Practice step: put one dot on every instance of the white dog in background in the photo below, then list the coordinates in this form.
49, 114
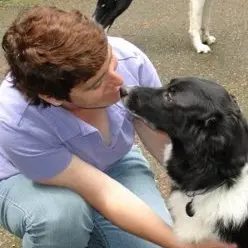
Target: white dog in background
199, 16
108, 10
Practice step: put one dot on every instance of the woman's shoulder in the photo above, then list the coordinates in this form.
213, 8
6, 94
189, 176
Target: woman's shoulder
123, 48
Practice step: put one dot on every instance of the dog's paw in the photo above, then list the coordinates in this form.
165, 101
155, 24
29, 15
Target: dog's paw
201, 48
208, 39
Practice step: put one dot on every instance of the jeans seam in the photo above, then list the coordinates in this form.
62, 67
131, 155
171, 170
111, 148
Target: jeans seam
101, 232
16, 206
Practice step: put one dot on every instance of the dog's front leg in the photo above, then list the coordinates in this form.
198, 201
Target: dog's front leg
206, 37
195, 25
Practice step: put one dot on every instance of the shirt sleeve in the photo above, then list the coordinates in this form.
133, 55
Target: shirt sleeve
147, 73
136, 67
34, 158
148, 76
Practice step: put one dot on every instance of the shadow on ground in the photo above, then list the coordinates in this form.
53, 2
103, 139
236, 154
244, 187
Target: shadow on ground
159, 28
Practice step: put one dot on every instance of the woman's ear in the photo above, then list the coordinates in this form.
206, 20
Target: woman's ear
51, 100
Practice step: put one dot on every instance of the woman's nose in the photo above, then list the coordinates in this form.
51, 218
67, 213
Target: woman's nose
117, 79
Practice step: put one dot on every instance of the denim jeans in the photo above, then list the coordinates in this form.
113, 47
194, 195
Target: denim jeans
44, 216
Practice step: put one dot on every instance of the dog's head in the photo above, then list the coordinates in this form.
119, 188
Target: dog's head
208, 132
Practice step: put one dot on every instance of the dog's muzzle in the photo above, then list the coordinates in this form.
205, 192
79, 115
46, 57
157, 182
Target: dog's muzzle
125, 91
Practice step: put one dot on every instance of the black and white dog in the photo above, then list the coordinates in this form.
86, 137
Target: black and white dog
207, 159
107, 11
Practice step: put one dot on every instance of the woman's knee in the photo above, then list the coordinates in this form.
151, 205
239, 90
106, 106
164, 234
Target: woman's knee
43, 215
66, 221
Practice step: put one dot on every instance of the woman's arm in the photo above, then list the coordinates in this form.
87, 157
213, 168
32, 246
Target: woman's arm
115, 202
154, 140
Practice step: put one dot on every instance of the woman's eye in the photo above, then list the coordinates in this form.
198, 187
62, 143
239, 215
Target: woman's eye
96, 85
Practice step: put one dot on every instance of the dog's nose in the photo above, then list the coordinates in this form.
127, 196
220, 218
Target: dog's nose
123, 91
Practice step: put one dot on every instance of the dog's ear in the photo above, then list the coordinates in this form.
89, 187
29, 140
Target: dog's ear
236, 107
212, 138
211, 121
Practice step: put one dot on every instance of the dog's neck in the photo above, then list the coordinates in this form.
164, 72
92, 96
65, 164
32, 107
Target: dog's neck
201, 167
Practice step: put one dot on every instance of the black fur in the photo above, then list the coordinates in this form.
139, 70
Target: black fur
108, 10
209, 136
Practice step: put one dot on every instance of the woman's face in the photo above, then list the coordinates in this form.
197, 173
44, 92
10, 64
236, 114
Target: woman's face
99, 91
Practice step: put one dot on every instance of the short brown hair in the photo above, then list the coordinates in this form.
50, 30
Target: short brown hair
50, 50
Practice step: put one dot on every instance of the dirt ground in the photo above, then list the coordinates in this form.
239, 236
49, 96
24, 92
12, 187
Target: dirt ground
159, 28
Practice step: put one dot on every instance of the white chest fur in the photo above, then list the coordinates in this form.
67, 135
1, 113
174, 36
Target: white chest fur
229, 205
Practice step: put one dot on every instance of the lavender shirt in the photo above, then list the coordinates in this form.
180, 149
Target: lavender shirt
39, 142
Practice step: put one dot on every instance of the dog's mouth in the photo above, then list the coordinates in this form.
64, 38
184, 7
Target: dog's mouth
123, 92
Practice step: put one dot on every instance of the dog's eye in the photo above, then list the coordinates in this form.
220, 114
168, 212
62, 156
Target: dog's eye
172, 90
168, 96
